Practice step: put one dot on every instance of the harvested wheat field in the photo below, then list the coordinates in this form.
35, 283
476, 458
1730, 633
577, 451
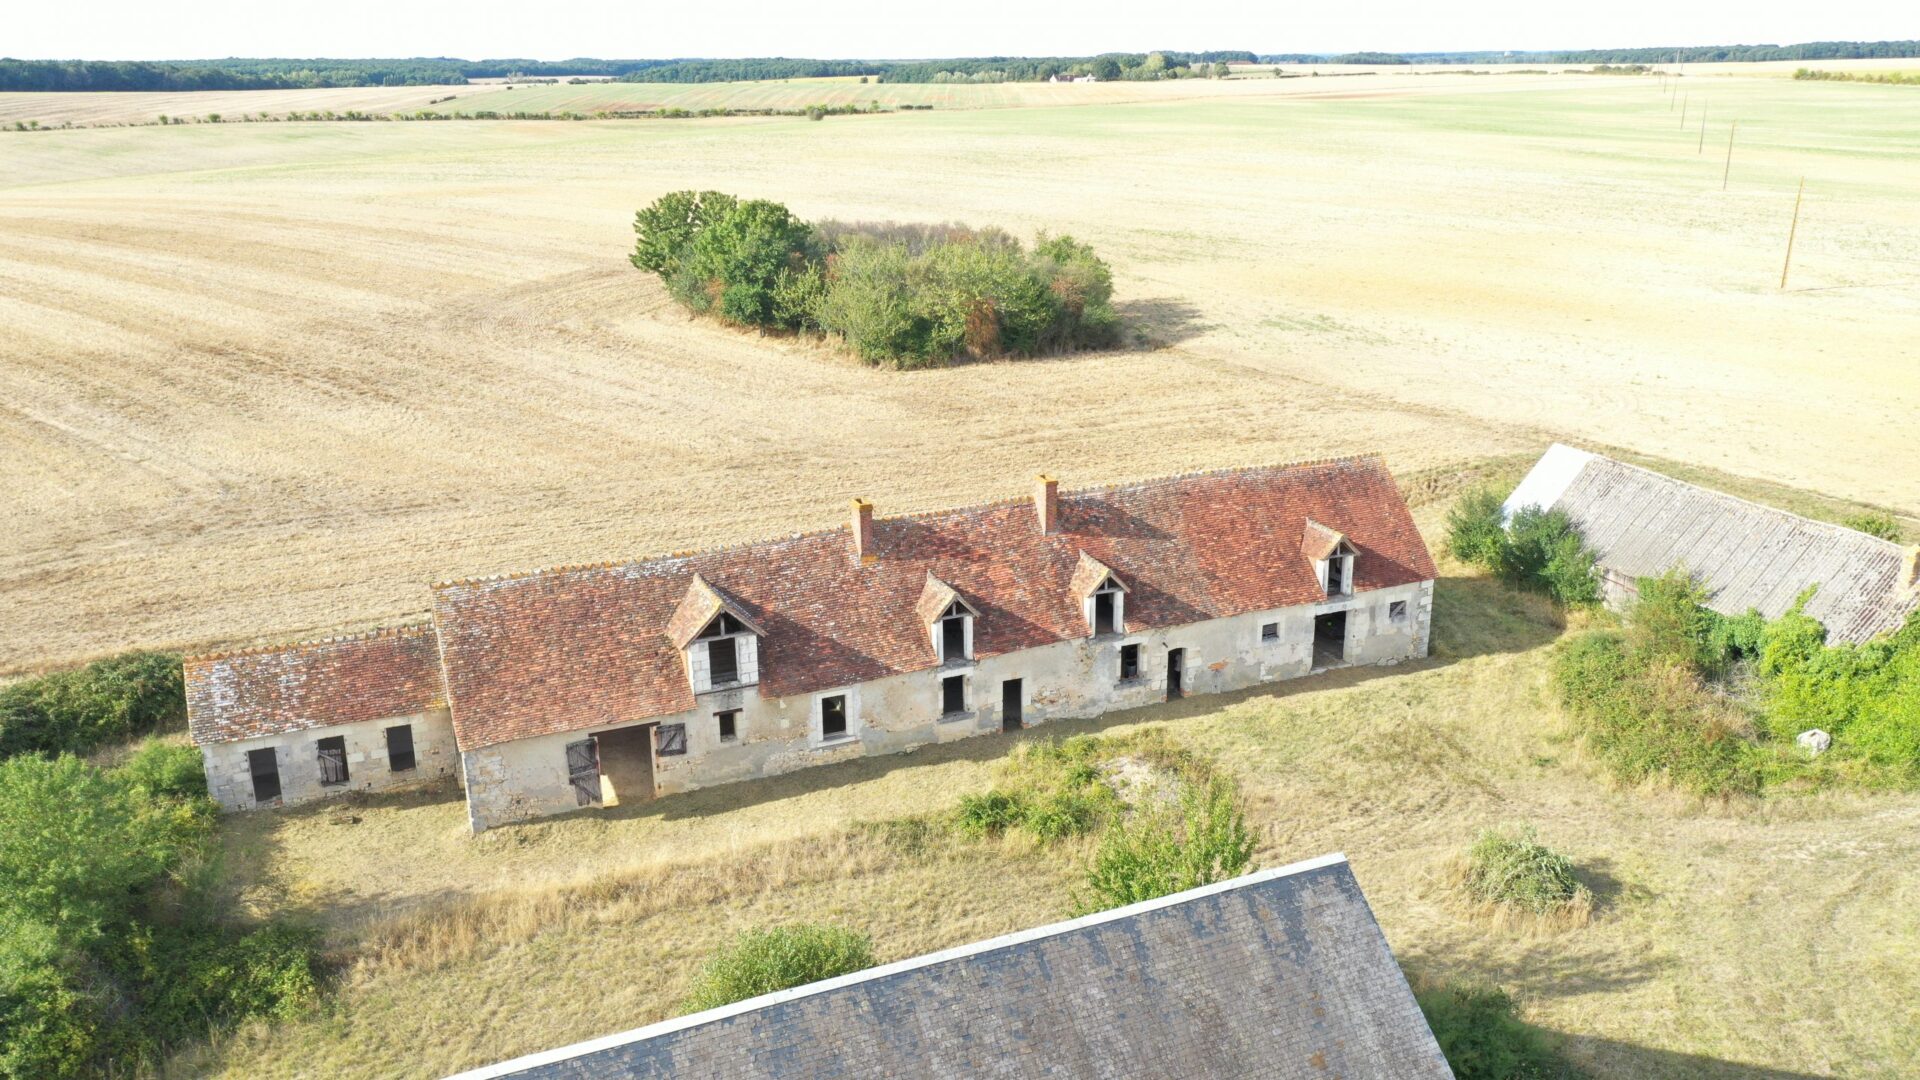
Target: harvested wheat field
1751, 938
268, 380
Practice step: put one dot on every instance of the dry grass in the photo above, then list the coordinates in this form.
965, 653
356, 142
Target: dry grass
1721, 940
269, 380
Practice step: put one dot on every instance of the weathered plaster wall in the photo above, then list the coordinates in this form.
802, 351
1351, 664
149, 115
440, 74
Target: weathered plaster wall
1073, 679
230, 780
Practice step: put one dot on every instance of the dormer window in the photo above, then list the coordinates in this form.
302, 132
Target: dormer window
1333, 557
720, 643
949, 620
1103, 596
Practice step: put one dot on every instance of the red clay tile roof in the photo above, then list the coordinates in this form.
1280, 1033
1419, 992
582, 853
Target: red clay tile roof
575, 648
272, 691
936, 597
1320, 542
1089, 574
698, 607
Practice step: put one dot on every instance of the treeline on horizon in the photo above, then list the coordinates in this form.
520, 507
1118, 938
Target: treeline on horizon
269, 73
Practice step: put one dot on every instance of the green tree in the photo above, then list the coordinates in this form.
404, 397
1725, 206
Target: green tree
1221, 71
742, 257
1106, 69
667, 228
1476, 528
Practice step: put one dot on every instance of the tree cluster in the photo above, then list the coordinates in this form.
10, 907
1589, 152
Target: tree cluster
898, 295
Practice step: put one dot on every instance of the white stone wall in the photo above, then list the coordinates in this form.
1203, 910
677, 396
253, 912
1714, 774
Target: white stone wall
1066, 680
230, 779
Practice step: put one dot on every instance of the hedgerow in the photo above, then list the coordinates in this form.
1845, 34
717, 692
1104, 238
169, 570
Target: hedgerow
78, 711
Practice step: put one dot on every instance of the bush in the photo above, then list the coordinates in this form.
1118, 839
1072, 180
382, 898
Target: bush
200, 978
1477, 529
74, 712
666, 229
1482, 1038
161, 770
776, 958
1875, 523
48, 1024
1516, 869
989, 814
1161, 851
1535, 549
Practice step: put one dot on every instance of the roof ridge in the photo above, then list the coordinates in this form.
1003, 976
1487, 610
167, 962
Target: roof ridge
917, 515
413, 629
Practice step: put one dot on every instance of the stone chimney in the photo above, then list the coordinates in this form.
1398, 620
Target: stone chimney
1910, 569
1046, 503
863, 532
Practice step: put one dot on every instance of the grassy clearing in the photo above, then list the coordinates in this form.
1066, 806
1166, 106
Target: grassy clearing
1724, 938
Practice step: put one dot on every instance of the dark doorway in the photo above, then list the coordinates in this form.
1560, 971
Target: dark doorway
953, 639
1176, 673
723, 661
626, 764
1330, 639
1010, 719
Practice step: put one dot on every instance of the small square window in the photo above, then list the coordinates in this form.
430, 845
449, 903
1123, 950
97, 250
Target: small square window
833, 716
1270, 631
670, 740
1397, 611
953, 695
729, 724
1129, 662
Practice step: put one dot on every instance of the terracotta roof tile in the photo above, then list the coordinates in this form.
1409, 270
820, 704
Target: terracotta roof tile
1089, 574
1319, 542
271, 691
701, 603
574, 648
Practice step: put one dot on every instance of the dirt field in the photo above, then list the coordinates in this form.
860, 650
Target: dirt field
1764, 939
269, 380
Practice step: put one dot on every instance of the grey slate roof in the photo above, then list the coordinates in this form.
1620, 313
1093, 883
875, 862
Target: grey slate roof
1282, 973
1641, 524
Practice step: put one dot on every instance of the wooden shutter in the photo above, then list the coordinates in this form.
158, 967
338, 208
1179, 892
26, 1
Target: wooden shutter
333, 760
583, 771
670, 739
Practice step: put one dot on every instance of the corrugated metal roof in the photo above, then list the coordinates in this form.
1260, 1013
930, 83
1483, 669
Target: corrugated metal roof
1282, 973
1642, 524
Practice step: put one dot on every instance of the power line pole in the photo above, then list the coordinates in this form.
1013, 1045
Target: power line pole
1702, 148
1683, 111
1724, 173
1791, 230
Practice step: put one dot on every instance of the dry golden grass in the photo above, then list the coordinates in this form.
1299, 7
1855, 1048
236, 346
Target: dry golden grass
1757, 938
268, 380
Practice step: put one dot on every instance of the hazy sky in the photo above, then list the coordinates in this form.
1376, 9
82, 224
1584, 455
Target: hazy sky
191, 29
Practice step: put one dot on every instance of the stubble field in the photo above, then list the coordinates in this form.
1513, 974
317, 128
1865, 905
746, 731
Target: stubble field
269, 380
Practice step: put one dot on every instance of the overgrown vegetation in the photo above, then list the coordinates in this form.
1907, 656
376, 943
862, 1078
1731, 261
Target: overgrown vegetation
1537, 549
774, 958
111, 945
1715, 703
1876, 522
1482, 1037
77, 711
1511, 867
903, 296
1162, 848
1890, 78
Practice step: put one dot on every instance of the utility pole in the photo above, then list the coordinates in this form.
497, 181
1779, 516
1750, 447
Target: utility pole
1791, 230
1702, 147
1724, 173
1683, 111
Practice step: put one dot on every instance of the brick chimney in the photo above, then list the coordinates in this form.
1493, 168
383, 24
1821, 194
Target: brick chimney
1046, 502
863, 532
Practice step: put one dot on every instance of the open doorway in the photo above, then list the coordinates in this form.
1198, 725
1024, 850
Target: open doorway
626, 764
1010, 715
1176, 673
1330, 639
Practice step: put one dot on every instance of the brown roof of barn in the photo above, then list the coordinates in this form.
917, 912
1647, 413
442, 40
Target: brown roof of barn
274, 690
573, 648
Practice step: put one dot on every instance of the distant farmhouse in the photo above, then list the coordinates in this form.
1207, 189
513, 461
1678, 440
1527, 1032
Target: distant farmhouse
1642, 524
614, 683
1280, 974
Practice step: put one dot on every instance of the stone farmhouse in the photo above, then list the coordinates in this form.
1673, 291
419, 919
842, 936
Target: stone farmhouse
1641, 524
1279, 974
614, 683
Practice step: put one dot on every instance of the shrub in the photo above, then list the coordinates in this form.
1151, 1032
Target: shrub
1875, 523
48, 1026
1482, 1038
776, 958
1543, 550
1669, 623
1161, 851
989, 814
666, 229
201, 978
744, 253
1516, 869
161, 770
1476, 528
76, 711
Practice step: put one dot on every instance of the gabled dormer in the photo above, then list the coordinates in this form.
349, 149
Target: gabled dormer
948, 618
716, 638
1332, 555
1102, 596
